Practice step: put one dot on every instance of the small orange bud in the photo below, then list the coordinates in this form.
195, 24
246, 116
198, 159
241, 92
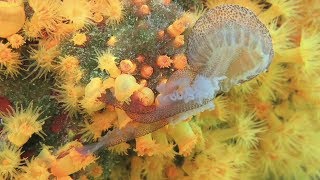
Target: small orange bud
161, 35
166, 2
164, 61
146, 71
126, 66
144, 10
180, 61
141, 58
178, 41
112, 41
176, 29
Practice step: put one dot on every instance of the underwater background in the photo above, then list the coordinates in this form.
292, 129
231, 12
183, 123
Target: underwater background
58, 60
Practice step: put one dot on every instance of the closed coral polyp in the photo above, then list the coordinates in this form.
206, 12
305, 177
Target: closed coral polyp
125, 86
12, 18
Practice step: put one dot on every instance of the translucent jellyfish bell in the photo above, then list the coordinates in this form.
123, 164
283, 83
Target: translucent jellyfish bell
230, 41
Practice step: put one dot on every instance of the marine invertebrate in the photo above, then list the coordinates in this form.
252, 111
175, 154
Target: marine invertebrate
44, 60
36, 168
9, 61
228, 45
180, 61
164, 61
12, 17
69, 96
79, 39
9, 160
125, 85
106, 61
16, 41
45, 18
68, 160
236, 37
114, 11
20, 124
264, 128
146, 71
126, 66
92, 92
78, 12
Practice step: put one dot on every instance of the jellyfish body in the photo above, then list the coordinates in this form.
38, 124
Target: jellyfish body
230, 41
227, 45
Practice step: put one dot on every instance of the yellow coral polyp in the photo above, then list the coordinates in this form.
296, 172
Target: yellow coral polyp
79, 39
9, 61
35, 169
93, 91
46, 15
9, 161
123, 118
16, 41
77, 11
254, 6
100, 123
106, 61
112, 41
284, 8
69, 69
114, 11
146, 146
125, 86
12, 17
121, 149
20, 124
69, 96
69, 160
44, 60
183, 136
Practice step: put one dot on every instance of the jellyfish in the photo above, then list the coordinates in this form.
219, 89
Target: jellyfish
227, 46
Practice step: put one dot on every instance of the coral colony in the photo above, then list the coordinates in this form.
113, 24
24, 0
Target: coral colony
159, 89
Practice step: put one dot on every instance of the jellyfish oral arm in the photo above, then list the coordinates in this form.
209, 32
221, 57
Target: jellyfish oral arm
197, 94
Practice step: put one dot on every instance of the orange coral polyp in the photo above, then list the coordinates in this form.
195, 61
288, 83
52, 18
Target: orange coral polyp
180, 61
71, 161
22, 123
164, 61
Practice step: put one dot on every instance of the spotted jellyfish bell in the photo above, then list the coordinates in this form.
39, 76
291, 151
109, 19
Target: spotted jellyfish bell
12, 17
230, 41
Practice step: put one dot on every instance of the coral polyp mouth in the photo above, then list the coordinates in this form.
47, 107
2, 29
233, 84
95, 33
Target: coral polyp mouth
230, 40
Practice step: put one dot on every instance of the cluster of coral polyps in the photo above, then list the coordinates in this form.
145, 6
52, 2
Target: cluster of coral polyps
58, 57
